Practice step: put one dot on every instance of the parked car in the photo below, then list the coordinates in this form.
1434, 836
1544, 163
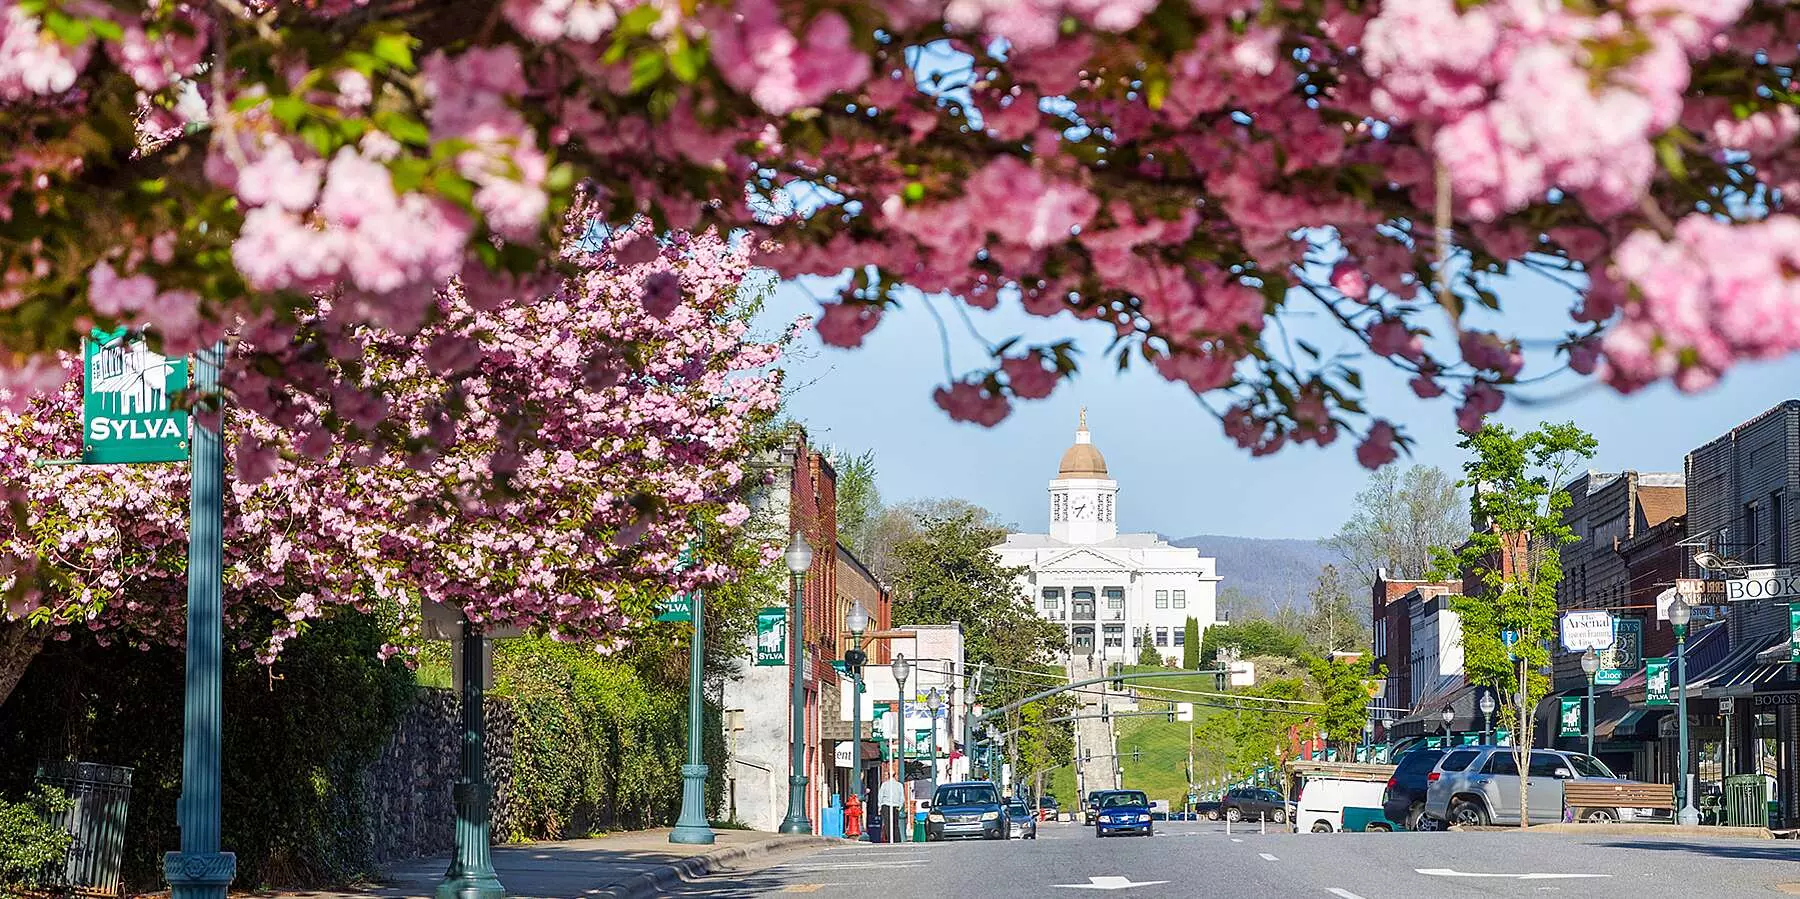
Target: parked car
1090, 809
1256, 803
1021, 821
1479, 785
1047, 809
1322, 799
967, 809
1123, 811
1208, 809
1403, 802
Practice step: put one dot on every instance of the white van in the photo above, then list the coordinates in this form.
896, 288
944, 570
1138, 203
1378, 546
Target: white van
1323, 798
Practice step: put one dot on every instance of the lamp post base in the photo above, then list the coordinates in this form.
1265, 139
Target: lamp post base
199, 875
796, 821
691, 827
475, 885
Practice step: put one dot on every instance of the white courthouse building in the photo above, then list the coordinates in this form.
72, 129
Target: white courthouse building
1111, 592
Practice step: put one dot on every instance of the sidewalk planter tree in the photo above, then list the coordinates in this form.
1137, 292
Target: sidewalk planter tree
1512, 564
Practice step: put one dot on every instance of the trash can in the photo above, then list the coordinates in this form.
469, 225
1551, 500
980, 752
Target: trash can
918, 827
101, 794
831, 819
1746, 804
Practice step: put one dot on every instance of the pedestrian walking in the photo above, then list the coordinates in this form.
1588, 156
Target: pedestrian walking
891, 797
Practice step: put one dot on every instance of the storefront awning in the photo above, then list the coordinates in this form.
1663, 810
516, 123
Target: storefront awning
1427, 717
1738, 673
1636, 724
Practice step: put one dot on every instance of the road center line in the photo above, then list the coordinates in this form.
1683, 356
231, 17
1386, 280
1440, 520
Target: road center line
1343, 893
1267, 857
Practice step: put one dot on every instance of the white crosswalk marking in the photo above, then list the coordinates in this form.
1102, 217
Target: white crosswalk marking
1267, 857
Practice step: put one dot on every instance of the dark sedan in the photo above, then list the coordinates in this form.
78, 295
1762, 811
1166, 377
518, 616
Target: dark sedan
1208, 809
1123, 811
1024, 823
966, 809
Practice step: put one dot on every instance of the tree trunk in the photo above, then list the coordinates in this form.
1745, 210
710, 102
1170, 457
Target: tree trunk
19, 644
1522, 750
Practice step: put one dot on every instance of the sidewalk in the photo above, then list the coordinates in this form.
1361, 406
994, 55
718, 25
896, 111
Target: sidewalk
1644, 829
623, 866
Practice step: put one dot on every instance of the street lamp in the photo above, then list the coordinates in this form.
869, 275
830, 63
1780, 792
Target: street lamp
856, 621
1590, 666
934, 701
1680, 613
690, 825
799, 559
902, 669
1324, 746
1449, 715
1369, 739
1488, 707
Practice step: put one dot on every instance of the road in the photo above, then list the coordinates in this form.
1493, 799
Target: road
1199, 859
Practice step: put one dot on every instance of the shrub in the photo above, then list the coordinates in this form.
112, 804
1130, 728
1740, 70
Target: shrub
32, 848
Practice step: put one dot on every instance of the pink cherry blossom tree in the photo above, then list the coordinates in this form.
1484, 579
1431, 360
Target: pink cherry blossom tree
574, 533
1179, 171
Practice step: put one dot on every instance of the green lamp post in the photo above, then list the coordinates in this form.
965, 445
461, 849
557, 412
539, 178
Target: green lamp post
1680, 613
902, 670
471, 873
1590, 666
934, 701
856, 622
799, 559
200, 870
690, 825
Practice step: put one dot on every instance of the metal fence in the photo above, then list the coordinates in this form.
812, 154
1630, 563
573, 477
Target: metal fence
1745, 802
96, 820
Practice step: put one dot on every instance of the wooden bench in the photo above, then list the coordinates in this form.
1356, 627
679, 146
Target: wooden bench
1586, 797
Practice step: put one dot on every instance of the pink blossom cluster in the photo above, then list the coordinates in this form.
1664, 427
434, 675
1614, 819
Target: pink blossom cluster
1713, 293
567, 524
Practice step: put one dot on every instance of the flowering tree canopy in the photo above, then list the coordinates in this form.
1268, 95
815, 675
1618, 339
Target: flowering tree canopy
574, 534
1177, 169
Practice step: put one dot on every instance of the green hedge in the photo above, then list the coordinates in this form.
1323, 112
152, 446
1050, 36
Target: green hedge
32, 850
598, 745
296, 737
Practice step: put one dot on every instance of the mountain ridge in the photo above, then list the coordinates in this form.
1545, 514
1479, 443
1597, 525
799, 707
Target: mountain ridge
1262, 575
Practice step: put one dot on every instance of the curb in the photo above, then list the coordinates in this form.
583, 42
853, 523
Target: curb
662, 880
1641, 830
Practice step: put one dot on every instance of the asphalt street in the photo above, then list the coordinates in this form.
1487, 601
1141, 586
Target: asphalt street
1199, 859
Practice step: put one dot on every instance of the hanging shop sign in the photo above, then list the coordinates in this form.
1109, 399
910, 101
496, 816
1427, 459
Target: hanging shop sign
771, 636
1656, 682
1571, 717
128, 411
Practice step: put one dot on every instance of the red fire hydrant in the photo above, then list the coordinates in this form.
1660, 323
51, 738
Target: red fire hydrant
853, 817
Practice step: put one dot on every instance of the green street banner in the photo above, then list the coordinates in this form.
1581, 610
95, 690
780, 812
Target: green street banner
771, 636
679, 607
1571, 717
128, 412
1794, 631
1656, 682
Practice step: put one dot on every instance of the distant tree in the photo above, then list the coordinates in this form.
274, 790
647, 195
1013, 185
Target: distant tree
1343, 696
1399, 516
858, 499
1515, 561
1333, 625
1148, 656
1190, 644
1254, 637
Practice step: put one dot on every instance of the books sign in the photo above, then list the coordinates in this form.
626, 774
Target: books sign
127, 402
771, 636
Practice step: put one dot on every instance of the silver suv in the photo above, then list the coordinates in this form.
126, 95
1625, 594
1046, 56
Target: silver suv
1479, 785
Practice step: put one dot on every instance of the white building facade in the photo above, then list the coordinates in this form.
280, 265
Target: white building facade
1437, 650
1110, 592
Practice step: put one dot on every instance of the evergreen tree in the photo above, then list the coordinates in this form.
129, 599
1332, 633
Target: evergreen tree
1190, 644
1148, 657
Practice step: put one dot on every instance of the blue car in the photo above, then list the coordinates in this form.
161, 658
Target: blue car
967, 809
1123, 811
1024, 823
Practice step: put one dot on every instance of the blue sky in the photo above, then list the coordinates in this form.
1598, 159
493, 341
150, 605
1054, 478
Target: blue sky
1177, 474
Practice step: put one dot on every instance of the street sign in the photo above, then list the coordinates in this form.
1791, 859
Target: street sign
771, 636
1625, 655
679, 607
1656, 682
1764, 583
1184, 711
1571, 717
1587, 630
127, 402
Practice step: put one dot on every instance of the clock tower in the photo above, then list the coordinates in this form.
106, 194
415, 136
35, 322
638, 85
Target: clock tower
1082, 495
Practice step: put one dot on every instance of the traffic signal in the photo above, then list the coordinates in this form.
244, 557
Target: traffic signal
1137, 754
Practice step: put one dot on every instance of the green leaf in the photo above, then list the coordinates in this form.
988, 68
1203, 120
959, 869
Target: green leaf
1156, 90
319, 137
1669, 154
287, 109
404, 128
639, 20
646, 68
914, 192
560, 178
395, 49
408, 172
452, 186
107, 29
685, 63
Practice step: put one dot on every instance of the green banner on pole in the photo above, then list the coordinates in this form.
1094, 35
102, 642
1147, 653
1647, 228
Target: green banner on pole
128, 412
771, 636
1794, 631
1656, 682
1571, 717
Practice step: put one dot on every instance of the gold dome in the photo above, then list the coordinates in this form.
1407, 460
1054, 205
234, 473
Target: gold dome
1082, 460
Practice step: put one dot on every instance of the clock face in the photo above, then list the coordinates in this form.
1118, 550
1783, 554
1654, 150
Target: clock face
1082, 508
